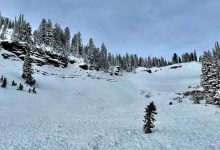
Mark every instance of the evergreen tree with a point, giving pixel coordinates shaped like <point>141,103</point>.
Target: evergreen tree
<point>20,87</point>
<point>27,70</point>
<point>36,38</point>
<point>22,30</point>
<point>175,58</point>
<point>13,83</point>
<point>150,111</point>
<point>180,61</point>
<point>207,78</point>
<point>2,36</point>
<point>26,33</point>
<point>77,46</point>
<point>2,78</point>
<point>4,83</point>
<point>34,90</point>
<point>91,49</point>
<point>96,55</point>
<point>67,39</point>
<point>56,37</point>
<point>43,31</point>
<point>103,58</point>
<point>0,20</point>
<point>195,56</point>
<point>49,33</point>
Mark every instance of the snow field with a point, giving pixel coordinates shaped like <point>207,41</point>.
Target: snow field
<point>96,113</point>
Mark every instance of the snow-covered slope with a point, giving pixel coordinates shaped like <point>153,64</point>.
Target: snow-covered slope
<point>78,109</point>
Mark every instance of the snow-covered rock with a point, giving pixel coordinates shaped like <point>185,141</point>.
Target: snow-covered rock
<point>38,56</point>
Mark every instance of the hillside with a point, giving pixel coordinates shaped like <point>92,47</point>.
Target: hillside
<point>79,109</point>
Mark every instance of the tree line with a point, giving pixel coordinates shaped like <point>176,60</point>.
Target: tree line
<point>61,41</point>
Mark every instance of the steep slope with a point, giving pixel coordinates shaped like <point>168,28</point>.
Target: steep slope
<point>78,109</point>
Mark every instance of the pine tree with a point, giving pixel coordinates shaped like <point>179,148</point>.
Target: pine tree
<point>103,62</point>
<point>180,61</point>
<point>22,30</point>
<point>20,87</point>
<point>34,90</point>
<point>49,33</point>
<point>13,83</point>
<point>207,76</point>
<point>2,78</point>
<point>4,83</point>
<point>91,49</point>
<point>43,31</point>
<point>27,70</point>
<point>175,58</point>
<point>2,36</point>
<point>96,55</point>
<point>29,80</point>
<point>216,75</point>
<point>26,33</point>
<point>0,20</point>
<point>67,39</point>
<point>77,46</point>
<point>195,56</point>
<point>36,38</point>
<point>150,111</point>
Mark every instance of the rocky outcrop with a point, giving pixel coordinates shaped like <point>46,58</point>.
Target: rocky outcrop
<point>38,56</point>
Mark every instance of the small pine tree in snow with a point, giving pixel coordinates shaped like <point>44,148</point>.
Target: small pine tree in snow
<point>150,111</point>
<point>34,90</point>
<point>20,87</point>
<point>2,77</point>
<point>4,83</point>
<point>27,70</point>
<point>13,83</point>
<point>29,80</point>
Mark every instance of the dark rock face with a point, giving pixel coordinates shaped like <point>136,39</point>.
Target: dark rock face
<point>7,56</point>
<point>84,67</point>
<point>175,67</point>
<point>149,71</point>
<point>72,61</point>
<point>194,92</point>
<point>38,56</point>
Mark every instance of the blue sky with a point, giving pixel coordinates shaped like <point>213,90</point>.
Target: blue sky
<point>156,27</point>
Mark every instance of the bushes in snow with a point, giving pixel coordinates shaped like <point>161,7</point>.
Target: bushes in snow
<point>20,87</point>
<point>32,90</point>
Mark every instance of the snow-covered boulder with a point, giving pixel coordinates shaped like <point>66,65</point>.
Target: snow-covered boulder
<point>115,70</point>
